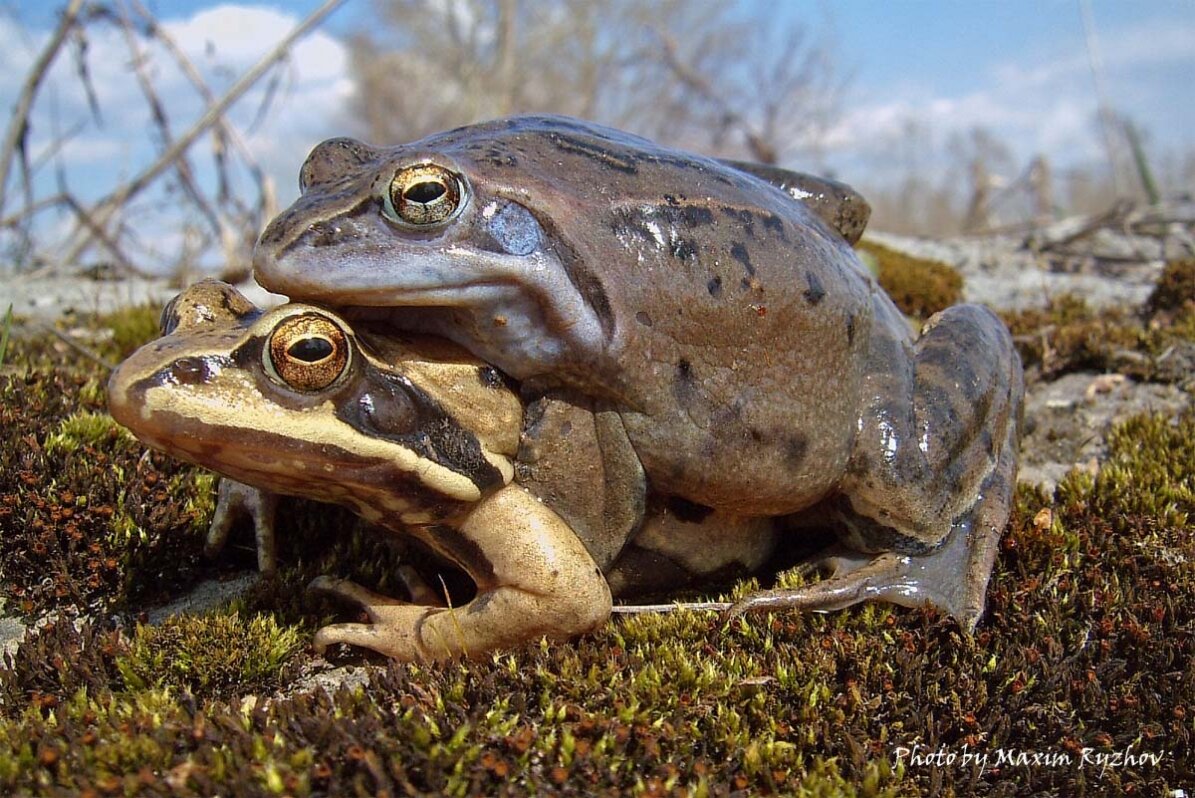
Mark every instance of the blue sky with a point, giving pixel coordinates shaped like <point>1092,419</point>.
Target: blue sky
<point>1016,67</point>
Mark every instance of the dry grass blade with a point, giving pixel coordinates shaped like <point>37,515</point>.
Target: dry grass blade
<point>5,331</point>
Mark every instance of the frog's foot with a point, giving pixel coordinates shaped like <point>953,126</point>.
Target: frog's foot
<point>418,588</point>
<point>393,629</point>
<point>534,579</point>
<point>907,580</point>
<point>235,500</point>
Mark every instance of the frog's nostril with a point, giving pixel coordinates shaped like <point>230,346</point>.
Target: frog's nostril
<point>323,234</point>
<point>191,371</point>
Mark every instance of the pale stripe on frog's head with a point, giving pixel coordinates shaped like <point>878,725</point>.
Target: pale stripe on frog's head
<point>290,401</point>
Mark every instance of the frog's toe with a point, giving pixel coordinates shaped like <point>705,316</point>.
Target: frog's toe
<point>391,640</point>
<point>418,588</point>
<point>236,500</point>
<point>375,604</point>
<point>394,628</point>
<point>880,577</point>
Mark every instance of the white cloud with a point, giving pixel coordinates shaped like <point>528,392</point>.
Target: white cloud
<point>1044,107</point>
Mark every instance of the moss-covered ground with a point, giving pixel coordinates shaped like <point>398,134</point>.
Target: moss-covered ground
<point>1086,652</point>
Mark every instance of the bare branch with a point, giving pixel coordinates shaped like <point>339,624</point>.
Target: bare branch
<point>158,111</point>
<point>18,126</point>
<point>222,130</point>
<point>102,210</point>
<point>97,230</point>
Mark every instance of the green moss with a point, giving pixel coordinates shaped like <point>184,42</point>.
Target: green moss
<point>919,287</point>
<point>1174,293</point>
<point>131,328</point>
<point>86,428</point>
<point>1067,335</point>
<point>1151,472</point>
<point>207,654</point>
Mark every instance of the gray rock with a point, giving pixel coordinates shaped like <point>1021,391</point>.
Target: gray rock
<point>1067,421</point>
<point>1000,272</point>
<point>205,596</point>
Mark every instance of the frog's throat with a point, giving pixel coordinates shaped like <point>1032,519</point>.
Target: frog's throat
<point>524,314</point>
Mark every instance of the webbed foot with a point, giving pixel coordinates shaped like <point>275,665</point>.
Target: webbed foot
<point>393,629</point>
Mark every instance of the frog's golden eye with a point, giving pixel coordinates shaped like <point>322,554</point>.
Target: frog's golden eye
<point>307,353</point>
<point>425,195</point>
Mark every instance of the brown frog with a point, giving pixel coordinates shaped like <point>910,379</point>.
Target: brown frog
<point>421,439</point>
<point>718,322</point>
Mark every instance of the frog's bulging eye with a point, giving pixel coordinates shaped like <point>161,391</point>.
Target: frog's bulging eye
<point>424,195</point>
<point>307,353</point>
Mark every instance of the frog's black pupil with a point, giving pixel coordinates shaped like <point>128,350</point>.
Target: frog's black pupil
<point>424,192</point>
<point>310,350</point>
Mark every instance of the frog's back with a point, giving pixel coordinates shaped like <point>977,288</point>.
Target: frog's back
<point>732,317</point>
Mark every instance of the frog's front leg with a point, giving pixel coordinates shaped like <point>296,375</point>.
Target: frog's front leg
<point>534,578</point>
<point>930,483</point>
<point>235,500</point>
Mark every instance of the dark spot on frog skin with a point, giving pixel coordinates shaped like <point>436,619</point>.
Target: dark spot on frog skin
<point>815,292</point>
<point>192,370</point>
<point>775,224</point>
<point>850,328</point>
<point>643,318</point>
<point>689,215</point>
<point>714,286</point>
<point>794,449</point>
<point>606,157</point>
<point>683,387</point>
<point>687,511</point>
<point>743,216</point>
<point>499,158</point>
<point>684,249</point>
<point>628,222</point>
<point>739,252</point>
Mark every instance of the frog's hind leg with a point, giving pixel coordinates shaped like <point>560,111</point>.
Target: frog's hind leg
<point>953,576</point>
<point>929,489</point>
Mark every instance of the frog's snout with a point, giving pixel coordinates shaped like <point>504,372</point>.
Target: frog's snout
<point>119,402</point>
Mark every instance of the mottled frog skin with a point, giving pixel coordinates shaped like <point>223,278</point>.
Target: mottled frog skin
<point>712,314</point>
<point>687,295</point>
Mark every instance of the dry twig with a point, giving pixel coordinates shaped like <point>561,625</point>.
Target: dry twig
<point>18,126</point>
